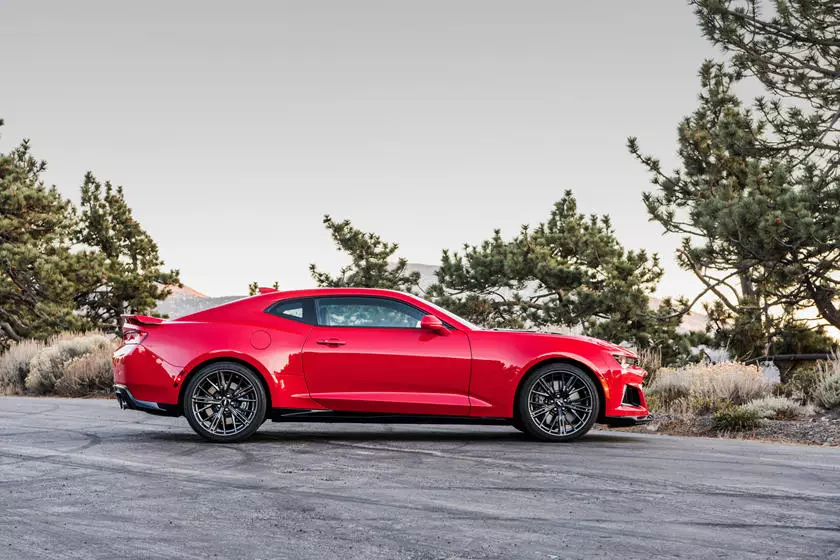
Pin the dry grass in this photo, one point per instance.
(89, 374)
(827, 388)
(650, 359)
(48, 366)
(14, 365)
(726, 381)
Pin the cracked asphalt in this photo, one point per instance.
(83, 479)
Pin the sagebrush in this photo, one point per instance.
(778, 408)
(88, 374)
(14, 365)
(48, 366)
(827, 390)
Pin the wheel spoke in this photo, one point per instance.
(545, 384)
(241, 392)
(581, 408)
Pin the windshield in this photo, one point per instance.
(447, 312)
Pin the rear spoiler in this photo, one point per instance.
(141, 320)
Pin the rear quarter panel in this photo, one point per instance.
(270, 345)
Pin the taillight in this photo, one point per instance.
(134, 336)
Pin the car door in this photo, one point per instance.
(369, 354)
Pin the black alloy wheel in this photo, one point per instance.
(558, 402)
(225, 402)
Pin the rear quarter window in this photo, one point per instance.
(301, 310)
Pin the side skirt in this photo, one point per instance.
(297, 415)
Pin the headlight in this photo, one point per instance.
(626, 362)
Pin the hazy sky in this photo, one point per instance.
(234, 126)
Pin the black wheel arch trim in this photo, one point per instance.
(199, 366)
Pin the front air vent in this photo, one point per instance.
(632, 396)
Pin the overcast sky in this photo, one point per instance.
(234, 126)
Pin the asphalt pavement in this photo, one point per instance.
(83, 479)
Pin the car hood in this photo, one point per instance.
(603, 344)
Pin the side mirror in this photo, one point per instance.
(432, 323)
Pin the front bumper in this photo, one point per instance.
(127, 402)
(626, 421)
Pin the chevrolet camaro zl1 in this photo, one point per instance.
(366, 355)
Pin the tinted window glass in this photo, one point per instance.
(295, 309)
(367, 312)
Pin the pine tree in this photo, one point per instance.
(570, 271)
(132, 276)
(371, 263)
(39, 273)
(792, 48)
(759, 234)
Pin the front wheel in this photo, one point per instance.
(225, 402)
(558, 402)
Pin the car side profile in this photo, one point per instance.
(368, 355)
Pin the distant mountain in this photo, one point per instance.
(186, 300)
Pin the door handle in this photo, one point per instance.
(331, 342)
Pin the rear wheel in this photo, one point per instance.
(558, 402)
(225, 402)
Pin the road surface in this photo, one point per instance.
(83, 479)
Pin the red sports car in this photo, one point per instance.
(366, 355)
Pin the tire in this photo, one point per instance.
(558, 402)
(225, 402)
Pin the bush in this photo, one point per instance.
(726, 381)
(736, 419)
(707, 405)
(14, 365)
(88, 374)
(777, 408)
(826, 392)
(46, 368)
(801, 385)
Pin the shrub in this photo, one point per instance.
(87, 374)
(827, 388)
(14, 365)
(801, 385)
(708, 405)
(46, 368)
(777, 408)
(726, 381)
(735, 419)
(827, 394)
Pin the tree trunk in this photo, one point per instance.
(825, 305)
(9, 331)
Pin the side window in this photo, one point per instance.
(367, 312)
(295, 309)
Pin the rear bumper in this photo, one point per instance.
(146, 375)
(625, 421)
(127, 402)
